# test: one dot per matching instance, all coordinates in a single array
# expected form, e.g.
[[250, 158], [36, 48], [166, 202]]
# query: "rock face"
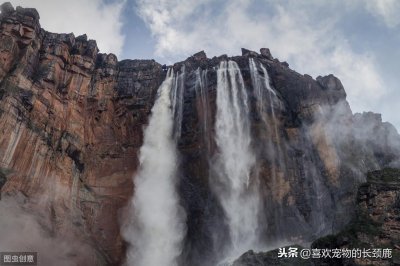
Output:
[[375, 226], [71, 123], [72, 118], [311, 153]]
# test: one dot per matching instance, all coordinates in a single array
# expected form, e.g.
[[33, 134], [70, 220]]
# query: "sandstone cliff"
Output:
[[71, 123]]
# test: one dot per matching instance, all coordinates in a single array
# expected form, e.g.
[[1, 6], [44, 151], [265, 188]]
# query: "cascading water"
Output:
[[236, 190], [259, 83], [157, 224], [262, 86], [202, 93], [267, 97], [272, 96], [177, 102]]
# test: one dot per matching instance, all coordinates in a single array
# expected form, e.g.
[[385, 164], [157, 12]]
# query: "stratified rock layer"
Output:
[[71, 123], [72, 118]]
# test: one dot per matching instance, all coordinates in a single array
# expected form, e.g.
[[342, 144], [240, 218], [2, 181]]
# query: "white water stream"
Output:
[[234, 186], [158, 221]]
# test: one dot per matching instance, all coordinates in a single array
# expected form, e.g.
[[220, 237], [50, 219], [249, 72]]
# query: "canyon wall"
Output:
[[71, 126], [71, 122]]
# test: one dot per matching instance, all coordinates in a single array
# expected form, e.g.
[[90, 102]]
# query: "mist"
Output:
[[377, 143], [156, 226], [234, 184], [26, 225]]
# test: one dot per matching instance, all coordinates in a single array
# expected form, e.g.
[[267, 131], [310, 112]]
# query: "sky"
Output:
[[356, 40]]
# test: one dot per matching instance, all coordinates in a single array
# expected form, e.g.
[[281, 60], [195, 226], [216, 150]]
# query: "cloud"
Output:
[[294, 31], [388, 10], [160, 15], [99, 20]]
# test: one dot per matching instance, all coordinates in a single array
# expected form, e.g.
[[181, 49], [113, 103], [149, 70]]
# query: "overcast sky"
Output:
[[356, 40]]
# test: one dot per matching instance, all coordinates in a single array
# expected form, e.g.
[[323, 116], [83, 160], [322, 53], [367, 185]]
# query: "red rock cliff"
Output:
[[71, 125], [72, 118]]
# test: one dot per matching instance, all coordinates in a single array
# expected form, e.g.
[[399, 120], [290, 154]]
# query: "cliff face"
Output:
[[71, 123], [374, 227], [311, 153], [376, 224]]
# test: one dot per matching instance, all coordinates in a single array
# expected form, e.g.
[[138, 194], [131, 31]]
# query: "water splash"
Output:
[[235, 188], [158, 222]]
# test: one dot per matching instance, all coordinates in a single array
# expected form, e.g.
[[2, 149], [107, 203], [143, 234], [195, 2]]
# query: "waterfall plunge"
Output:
[[262, 86], [202, 93], [235, 188], [157, 225], [259, 83]]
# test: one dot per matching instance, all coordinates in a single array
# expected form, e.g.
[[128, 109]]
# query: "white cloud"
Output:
[[161, 14], [292, 30], [100, 21], [388, 10]]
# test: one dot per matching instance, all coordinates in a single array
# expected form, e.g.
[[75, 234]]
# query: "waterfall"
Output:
[[272, 96], [258, 89], [177, 102], [261, 85], [157, 225], [234, 187], [202, 93]]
